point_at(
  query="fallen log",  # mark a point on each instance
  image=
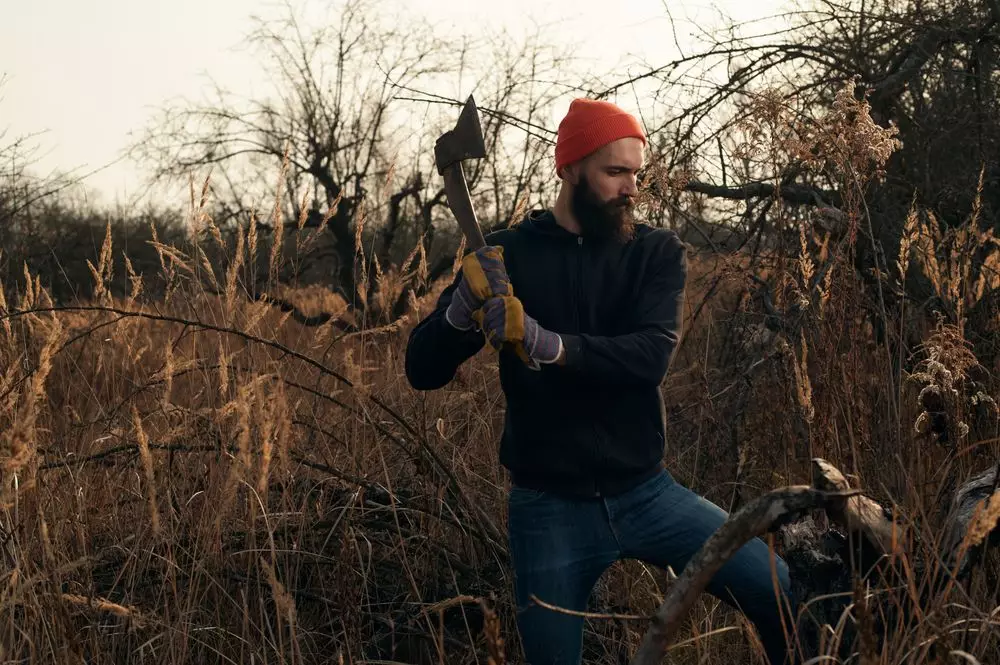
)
(752, 520)
(851, 511)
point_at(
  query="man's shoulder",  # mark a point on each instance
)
(501, 237)
(532, 226)
(511, 237)
(659, 239)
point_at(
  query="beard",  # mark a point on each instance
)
(602, 221)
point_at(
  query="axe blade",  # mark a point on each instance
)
(465, 141)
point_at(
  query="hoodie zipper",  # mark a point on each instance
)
(580, 301)
(579, 282)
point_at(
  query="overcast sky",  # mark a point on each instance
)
(88, 73)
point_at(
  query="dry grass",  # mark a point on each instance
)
(204, 480)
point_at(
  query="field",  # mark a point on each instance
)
(202, 479)
(214, 456)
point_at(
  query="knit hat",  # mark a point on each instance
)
(591, 124)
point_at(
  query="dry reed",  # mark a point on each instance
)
(198, 491)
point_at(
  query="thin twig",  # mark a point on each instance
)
(588, 615)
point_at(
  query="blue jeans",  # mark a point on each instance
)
(561, 547)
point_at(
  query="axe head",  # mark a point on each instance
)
(465, 141)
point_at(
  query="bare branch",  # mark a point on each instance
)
(587, 615)
(919, 54)
(799, 194)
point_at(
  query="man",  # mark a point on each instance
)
(584, 305)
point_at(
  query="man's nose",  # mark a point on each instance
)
(631, 188)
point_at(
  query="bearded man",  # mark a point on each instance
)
(584, 305)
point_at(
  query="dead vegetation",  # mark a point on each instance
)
(205, 479)
(201, 476)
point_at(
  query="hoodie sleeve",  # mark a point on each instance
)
(436, 349)
(642, 356)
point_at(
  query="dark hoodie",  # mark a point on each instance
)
(594, 426)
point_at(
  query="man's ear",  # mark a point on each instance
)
(571, 173)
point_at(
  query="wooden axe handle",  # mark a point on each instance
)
(460, 202)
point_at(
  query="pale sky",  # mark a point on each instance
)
(86, 73)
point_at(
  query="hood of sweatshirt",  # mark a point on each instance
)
(543, 222)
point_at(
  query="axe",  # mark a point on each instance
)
(465, 141)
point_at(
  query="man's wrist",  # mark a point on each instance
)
(462, 326)
(544, 346)
(561, 358)
(572, 348)
(459, 311)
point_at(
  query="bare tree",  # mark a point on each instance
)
(515, 82)
(926, 67)
(327, 121)
(358, 103)
(25, 195)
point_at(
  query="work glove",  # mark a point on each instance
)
(504, 321)
(484, 276)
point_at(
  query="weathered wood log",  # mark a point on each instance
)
(859, 513)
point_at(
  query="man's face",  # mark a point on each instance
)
(604, 190)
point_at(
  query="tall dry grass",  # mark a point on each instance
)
(202, 479)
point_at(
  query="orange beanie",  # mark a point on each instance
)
(591, 124)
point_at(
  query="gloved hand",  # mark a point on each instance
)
(504, 321)
(483, 276)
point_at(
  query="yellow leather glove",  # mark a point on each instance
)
(504, 321)
(483, 276)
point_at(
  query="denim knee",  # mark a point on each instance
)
(774, 602)
(759, 591)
